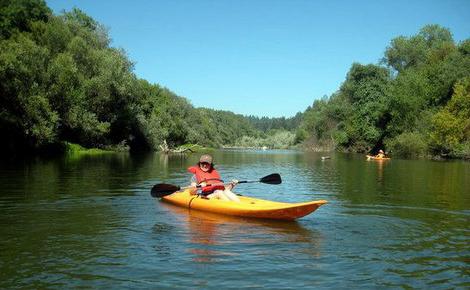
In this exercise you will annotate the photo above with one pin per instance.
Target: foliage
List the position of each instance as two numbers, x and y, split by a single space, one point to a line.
355 116
411 52
17 16
280 139
266 124
26 115
408 144
61 81
75 149
415 105
451 125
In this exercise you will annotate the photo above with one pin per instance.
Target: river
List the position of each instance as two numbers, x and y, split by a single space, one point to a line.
89 221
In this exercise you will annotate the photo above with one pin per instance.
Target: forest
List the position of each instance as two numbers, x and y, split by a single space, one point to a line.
61 81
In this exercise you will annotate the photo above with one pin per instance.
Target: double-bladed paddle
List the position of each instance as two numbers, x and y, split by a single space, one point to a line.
163 189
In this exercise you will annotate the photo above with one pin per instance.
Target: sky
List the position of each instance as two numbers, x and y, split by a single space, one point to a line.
262 58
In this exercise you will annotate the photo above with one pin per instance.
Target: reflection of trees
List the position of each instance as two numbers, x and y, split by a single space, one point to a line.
107 174
44 241
56 214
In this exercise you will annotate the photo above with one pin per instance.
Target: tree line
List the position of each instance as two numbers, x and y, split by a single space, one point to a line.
61 81
415 102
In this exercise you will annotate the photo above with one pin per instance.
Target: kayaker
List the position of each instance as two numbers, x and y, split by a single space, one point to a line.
211 184
381 154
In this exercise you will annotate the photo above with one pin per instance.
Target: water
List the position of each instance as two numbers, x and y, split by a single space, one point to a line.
90 222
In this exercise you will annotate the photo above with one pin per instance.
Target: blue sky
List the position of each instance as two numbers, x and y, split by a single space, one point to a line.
263 58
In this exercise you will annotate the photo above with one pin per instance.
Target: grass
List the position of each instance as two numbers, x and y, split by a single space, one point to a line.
75 149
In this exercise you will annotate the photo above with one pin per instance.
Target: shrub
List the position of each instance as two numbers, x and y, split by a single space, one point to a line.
410 144
461 151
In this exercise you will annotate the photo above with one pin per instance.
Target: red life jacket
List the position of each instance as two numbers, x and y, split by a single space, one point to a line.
210 177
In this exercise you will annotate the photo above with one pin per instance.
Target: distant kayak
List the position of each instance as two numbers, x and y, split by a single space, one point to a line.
247 207
369 157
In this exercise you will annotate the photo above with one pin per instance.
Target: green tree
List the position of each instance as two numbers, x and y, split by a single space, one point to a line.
408 52
26 112
451 125
367 88
17 16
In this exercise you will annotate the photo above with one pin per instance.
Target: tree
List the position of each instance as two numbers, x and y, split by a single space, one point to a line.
367 88
17 16
411 52
26 116
451 125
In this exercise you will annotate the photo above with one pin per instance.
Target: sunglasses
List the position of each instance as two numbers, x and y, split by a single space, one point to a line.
204 164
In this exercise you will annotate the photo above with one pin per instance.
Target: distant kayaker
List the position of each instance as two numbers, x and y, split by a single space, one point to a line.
381 154
211 184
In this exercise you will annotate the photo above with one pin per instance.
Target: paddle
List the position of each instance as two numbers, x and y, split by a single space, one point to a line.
274 178
163 189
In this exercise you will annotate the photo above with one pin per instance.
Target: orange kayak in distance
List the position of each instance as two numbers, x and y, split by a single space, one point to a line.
369 157
247 207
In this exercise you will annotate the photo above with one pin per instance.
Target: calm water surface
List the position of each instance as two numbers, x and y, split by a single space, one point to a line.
90 222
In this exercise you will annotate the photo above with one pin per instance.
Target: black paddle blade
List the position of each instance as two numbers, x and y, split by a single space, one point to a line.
163 189
274 178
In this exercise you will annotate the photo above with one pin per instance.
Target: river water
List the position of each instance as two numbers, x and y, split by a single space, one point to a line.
89 221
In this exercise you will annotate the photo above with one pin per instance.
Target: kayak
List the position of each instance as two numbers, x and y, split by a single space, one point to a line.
369 157
247 207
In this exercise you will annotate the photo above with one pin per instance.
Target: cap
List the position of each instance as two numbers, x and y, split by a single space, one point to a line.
206 158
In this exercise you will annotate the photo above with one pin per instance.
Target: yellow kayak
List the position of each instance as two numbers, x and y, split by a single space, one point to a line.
369 157
247 207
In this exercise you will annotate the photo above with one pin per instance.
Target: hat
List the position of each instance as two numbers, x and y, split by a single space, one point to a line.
205 158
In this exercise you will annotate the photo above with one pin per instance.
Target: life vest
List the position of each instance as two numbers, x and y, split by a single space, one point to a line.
209 177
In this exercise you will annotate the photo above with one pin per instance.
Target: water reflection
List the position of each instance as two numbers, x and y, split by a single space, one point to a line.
214 237
90 222
379 166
